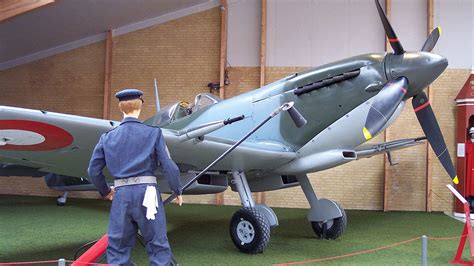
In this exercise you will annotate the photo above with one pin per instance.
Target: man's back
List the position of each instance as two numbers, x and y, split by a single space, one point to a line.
130 149
131 152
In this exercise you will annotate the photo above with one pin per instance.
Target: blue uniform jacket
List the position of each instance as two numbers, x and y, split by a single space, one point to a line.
132 149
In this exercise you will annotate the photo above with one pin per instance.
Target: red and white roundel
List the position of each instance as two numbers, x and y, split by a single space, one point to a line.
24 135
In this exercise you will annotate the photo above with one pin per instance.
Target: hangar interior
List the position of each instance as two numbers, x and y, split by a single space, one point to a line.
72 56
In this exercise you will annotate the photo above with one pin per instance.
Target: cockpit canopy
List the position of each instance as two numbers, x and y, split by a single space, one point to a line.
181 109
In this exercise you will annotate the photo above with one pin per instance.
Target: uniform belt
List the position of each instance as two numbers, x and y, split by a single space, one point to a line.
134 181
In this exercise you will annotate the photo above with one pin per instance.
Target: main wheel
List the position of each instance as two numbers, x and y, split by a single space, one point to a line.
60 201
249 230
334 227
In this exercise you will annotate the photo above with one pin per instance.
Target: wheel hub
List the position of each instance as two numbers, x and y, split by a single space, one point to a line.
328 223
245 231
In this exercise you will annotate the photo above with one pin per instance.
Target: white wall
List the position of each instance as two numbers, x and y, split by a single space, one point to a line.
409 20
309 33
243 41
456 42
314 32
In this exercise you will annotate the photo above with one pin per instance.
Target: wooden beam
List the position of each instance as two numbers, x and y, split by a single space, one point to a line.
109 47
223 60
12 8
263 43
387 179
223 57
263 64
388 12
429 153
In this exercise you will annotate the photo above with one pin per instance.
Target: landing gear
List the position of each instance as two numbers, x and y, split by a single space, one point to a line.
328 219
61 200
249 230
250 226
331 229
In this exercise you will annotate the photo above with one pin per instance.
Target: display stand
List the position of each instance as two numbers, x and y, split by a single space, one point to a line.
93 253
467 232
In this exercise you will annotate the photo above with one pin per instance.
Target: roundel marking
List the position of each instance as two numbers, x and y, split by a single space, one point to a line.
25 135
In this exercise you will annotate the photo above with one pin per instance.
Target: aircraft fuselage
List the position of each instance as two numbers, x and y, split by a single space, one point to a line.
334 98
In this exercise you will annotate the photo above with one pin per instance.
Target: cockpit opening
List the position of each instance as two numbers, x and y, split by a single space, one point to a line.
182 109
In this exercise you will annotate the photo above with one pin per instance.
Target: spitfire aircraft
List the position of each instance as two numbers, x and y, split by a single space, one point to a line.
361 95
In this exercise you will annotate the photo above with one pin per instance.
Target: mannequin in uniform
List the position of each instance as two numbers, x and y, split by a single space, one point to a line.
132 152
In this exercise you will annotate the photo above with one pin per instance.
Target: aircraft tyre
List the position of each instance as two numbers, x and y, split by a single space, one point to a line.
334 227
249 230
60 201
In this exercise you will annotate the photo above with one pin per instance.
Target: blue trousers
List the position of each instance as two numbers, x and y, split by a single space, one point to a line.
127 215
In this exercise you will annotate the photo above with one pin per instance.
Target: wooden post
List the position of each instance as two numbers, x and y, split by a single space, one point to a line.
263 63
223 60
429 153
109 47
263 43
12 8
386 165
223 57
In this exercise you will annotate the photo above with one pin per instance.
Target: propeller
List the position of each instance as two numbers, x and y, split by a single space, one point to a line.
430 127
431 40
392 37
384 105
387 100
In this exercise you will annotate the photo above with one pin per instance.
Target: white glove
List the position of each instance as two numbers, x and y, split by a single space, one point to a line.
150 201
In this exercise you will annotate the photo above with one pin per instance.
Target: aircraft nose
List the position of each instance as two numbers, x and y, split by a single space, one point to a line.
420 68
428 67
437 62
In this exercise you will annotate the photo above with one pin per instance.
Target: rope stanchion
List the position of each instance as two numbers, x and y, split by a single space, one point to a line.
467 233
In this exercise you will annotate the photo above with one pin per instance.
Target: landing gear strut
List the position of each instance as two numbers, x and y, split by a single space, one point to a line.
250 226
61 200
328 219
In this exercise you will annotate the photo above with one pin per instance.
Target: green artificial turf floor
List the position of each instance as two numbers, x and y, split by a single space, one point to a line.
33 228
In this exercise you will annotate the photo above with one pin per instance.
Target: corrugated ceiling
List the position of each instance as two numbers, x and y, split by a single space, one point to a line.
67 21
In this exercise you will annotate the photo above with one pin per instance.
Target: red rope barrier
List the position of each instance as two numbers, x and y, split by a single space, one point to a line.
46 262
29 262
445 238
369 250
352 254
281 264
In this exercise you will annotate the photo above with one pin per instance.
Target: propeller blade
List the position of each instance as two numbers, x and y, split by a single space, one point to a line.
384 105
431 40
430 126
392 37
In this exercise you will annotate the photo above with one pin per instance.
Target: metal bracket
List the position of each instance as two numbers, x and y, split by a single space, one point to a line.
389 157
321 209
268 213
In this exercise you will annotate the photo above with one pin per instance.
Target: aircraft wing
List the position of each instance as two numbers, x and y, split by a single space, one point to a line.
47 142
367 151
36 143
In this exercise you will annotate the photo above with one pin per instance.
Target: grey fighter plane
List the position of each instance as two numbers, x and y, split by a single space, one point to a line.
345 103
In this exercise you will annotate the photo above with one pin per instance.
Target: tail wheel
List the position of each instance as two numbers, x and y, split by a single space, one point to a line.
331 229
249 230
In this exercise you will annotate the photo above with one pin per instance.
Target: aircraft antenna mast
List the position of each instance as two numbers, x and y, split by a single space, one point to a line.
157 97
